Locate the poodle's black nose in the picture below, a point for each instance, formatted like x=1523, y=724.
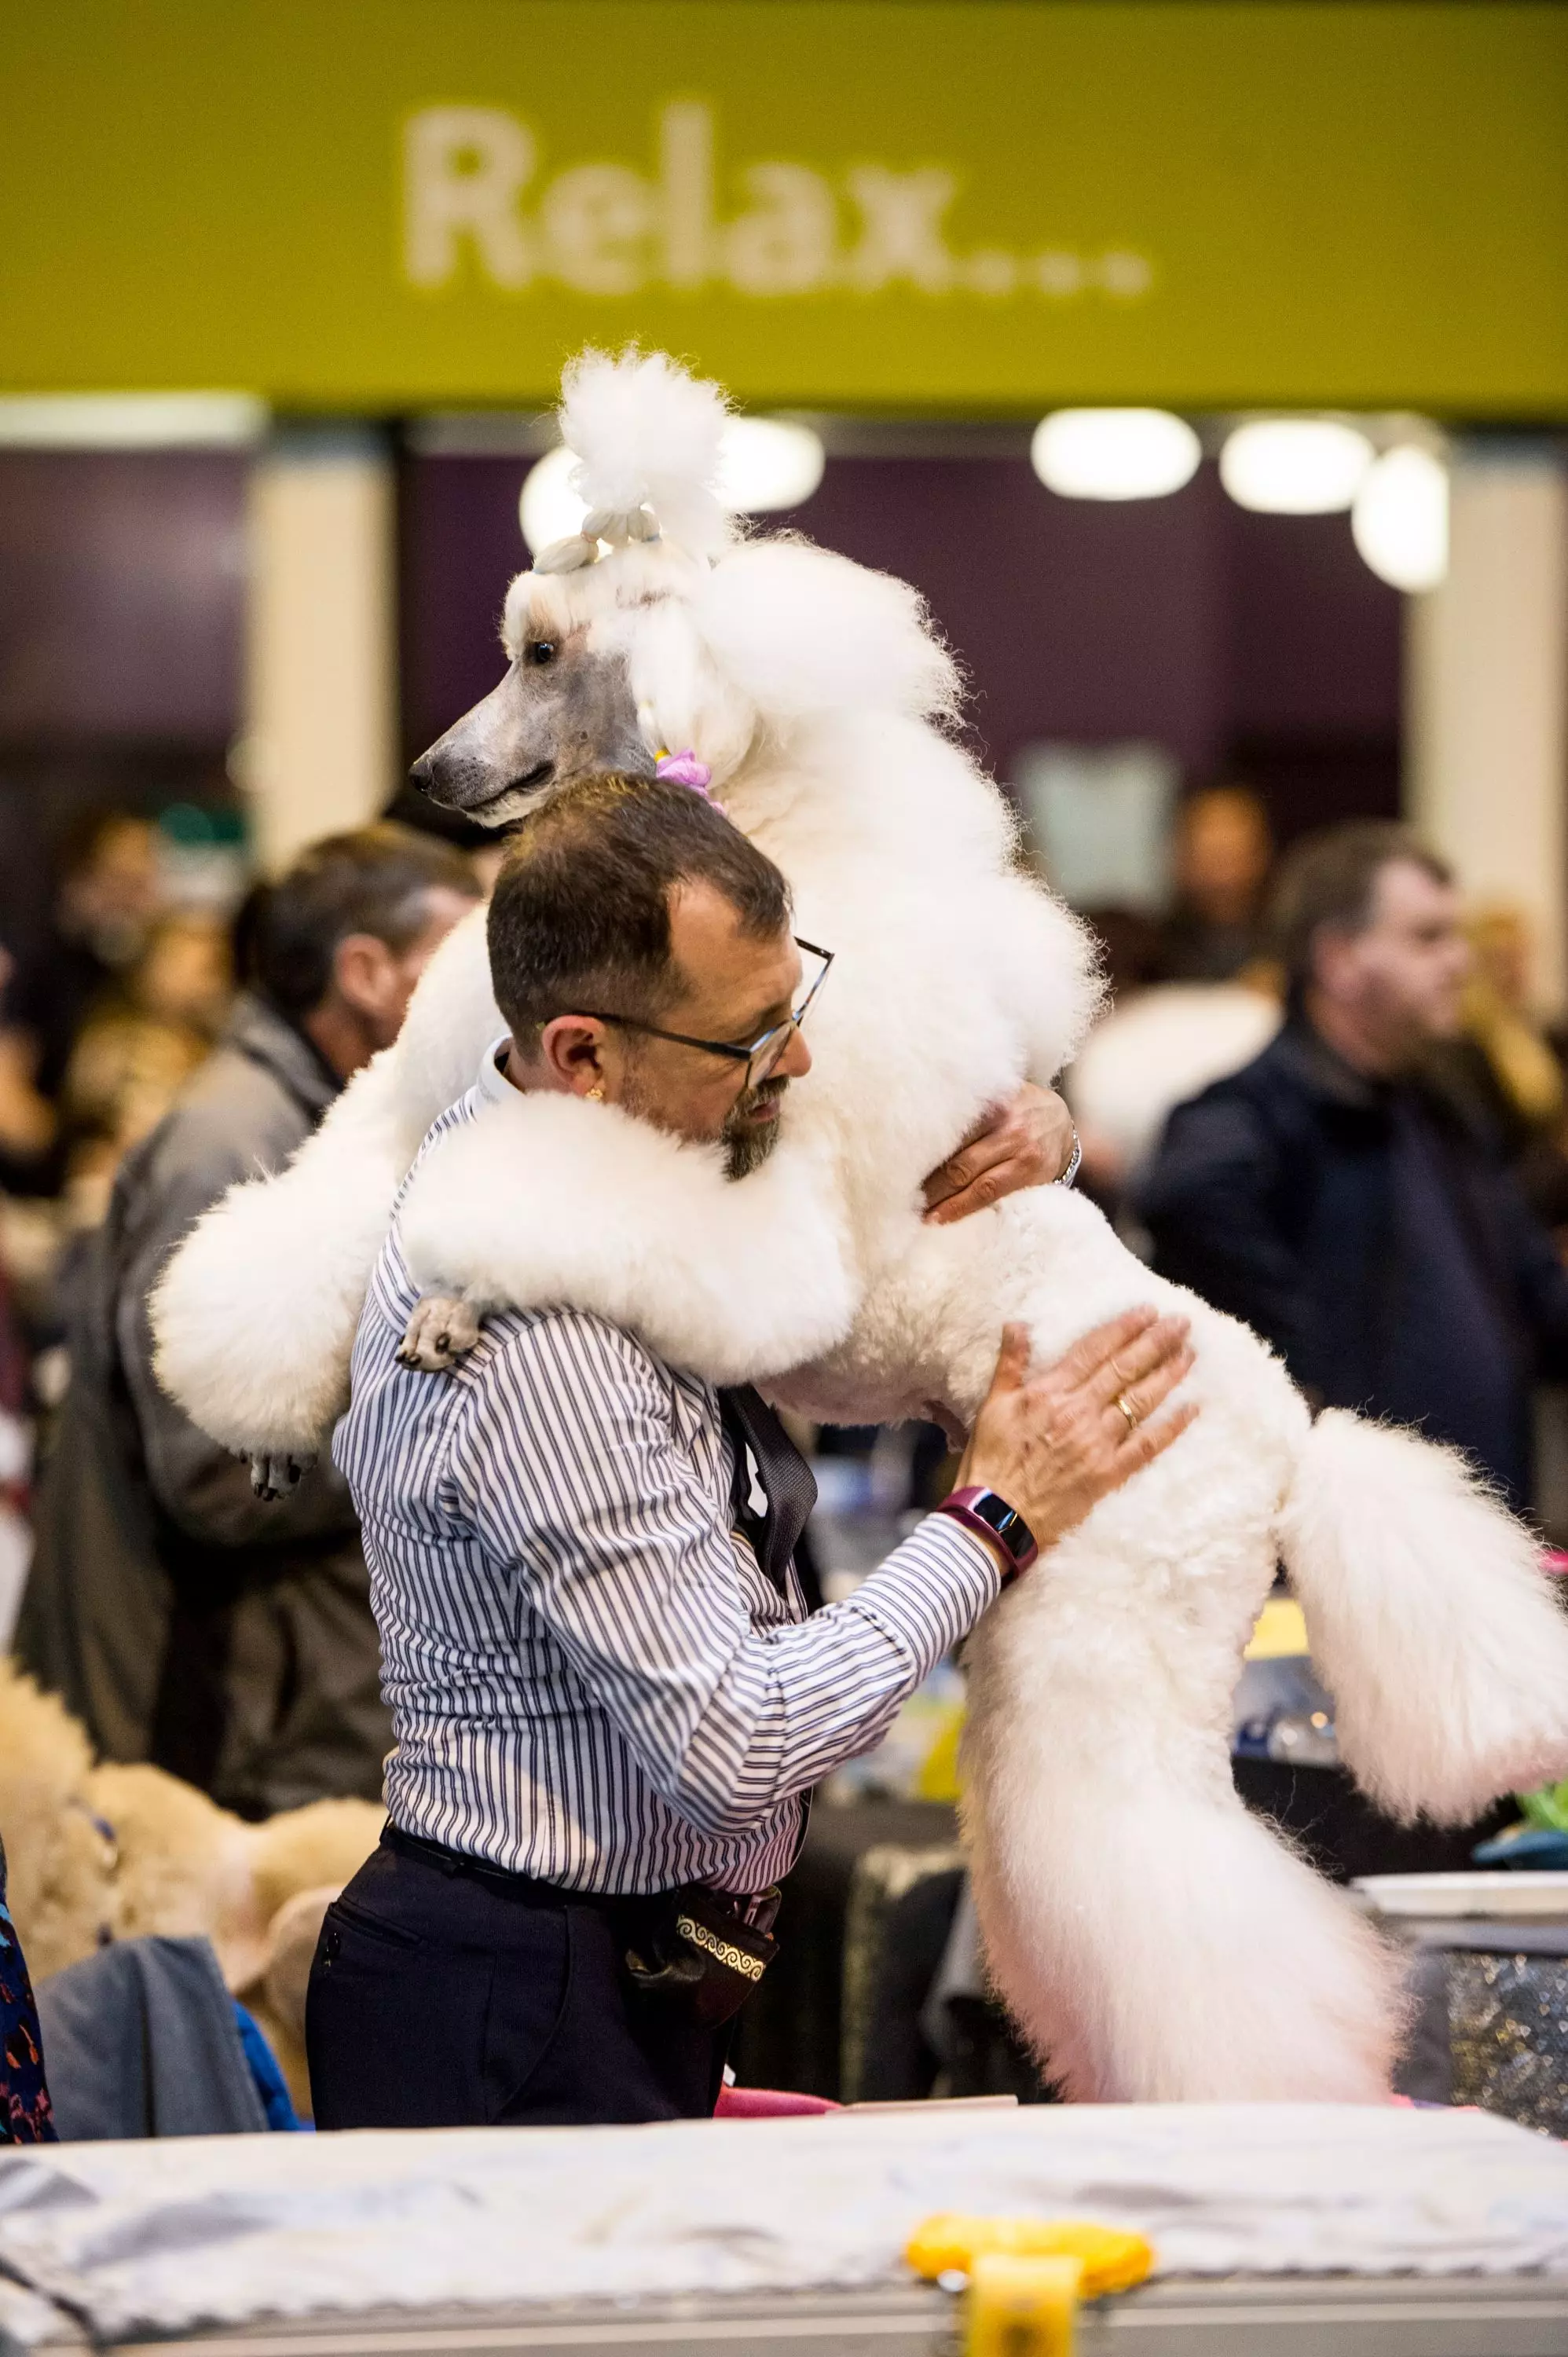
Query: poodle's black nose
x=422, y=774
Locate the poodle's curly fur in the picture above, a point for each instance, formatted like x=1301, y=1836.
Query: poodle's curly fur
x=1154, y=1939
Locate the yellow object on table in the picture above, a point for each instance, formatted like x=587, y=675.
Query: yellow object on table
x=1111, y=2258
x=1022, y=2307
x=1280, y=1634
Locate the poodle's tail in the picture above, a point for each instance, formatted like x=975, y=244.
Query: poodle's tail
x=1431, y=1620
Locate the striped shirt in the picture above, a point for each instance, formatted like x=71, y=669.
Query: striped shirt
x=592, y=1680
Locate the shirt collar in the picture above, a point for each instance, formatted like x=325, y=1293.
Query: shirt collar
x=257, y=1030
x=492, y=1082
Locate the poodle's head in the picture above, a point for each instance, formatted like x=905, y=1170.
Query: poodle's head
x=658, y=629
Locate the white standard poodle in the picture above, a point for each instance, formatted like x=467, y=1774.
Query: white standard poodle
x=1153, y=1939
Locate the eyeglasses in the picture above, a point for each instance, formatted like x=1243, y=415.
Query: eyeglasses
x=761, y=1056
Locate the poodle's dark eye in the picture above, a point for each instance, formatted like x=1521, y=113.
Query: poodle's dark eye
x=540, y=651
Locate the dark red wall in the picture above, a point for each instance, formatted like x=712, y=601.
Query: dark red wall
x=1262, y=641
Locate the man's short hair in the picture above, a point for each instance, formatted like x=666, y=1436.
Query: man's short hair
x=375, y=881
x=1328, y=882
x=580, y=915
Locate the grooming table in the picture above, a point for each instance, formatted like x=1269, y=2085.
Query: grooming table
x=1281, y=2231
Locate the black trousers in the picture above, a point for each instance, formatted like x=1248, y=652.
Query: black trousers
x=443, y=1998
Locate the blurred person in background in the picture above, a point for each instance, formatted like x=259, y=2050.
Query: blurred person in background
x=183, y=1620
x=1223, y=854
x=137, y=1048
x=1358, y=1217
x=110, y=896
x=1505, y=1066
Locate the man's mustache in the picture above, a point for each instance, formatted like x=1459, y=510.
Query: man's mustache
x=763, y=1093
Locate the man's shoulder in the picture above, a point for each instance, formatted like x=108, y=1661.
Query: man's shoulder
x=1278, y=1081
x=232, y=1120
x=584, y=1351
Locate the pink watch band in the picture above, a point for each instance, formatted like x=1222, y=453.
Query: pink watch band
x=991, y=1517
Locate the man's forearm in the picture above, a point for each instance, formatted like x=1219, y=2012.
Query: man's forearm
x=797, y=1702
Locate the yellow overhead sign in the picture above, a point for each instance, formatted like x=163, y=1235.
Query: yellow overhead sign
x=950, y=204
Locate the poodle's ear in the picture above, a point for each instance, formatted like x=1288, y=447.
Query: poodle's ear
x=801, y=630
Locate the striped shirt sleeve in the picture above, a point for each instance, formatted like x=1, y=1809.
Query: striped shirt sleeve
x=567, y=1466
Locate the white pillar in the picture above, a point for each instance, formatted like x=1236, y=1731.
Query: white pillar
x=321, y=652
x=1487, y=696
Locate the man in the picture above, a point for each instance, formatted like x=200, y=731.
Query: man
x=184, y=1621
x=609, y=1701
x=1332, y=1198
x=1223, y=854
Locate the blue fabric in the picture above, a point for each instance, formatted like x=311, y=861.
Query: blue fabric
x=26, y=2116
x=142, y=2042
x=276, y=2101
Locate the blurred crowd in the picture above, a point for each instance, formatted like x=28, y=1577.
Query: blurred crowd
x=154, y=1047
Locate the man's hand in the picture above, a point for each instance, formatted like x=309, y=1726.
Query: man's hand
x=1054, y=1443
x=1026, y=1143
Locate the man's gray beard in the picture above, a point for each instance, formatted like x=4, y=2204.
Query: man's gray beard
x=747, y=1145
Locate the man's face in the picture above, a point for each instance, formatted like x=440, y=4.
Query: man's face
x=733, y=987
x=1402, y=976
x=443, y=910
x=376, y=982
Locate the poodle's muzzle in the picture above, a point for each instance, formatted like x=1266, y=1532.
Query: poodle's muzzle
x=545, y=726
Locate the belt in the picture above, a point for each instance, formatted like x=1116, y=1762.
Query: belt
x=527, y=1890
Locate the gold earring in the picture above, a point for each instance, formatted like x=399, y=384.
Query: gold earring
x=596, y=1094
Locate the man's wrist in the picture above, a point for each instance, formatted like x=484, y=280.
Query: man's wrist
x=1066, y=1178
x=991, y=1518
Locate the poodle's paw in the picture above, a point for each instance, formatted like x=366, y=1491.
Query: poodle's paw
x=442, y=1330
x=274, y=1476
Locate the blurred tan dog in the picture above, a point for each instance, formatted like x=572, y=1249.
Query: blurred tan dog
x=100, y=1852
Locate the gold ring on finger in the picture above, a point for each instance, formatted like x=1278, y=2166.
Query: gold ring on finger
x=1123, y=1402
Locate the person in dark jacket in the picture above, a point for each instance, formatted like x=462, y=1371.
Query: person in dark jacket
x=183, y=1620
x=1335, y=1197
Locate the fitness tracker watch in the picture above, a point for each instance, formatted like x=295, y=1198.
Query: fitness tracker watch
x=983, y=1511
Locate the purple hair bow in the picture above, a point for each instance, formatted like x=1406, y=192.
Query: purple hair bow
x=685, y=769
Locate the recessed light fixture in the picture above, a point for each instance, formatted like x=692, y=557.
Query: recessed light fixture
x=131, y=421
x=1114, y=453
x=1294, y=466
x=1400, y=518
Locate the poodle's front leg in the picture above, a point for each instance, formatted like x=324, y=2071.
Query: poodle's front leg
x=442, y=1328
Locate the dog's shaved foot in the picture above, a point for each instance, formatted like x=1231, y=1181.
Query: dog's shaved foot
x=274, y=1476
x=442, y=1330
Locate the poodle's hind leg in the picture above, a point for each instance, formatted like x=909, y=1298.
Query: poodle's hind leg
x=1153, y=1942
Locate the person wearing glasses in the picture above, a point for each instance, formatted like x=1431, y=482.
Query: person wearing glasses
x=608, y=1697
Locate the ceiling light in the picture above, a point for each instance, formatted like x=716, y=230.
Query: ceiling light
x=132, y=420
x=765, y=463
x=549, y=509
x=1294, y=466
x=1114, y=453
x=1401, y=519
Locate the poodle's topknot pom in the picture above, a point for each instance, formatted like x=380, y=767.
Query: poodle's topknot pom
x=647, y=433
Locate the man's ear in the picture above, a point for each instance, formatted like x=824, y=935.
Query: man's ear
x=572, y=1050
x=364, y=973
